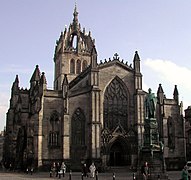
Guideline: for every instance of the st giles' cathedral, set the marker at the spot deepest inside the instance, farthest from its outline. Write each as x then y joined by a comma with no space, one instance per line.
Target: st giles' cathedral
95,112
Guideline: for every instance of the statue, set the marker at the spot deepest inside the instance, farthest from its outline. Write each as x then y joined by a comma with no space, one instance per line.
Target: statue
150,105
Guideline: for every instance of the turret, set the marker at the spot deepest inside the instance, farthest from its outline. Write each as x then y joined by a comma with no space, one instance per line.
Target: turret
93,57
160,94
43,81
176,94
35,79
137,73
136,62
15,86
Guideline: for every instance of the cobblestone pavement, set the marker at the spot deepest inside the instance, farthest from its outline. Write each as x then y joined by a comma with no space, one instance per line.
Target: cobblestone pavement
173,175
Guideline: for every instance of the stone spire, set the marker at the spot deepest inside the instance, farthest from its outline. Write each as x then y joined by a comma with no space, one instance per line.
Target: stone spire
15,86
160,94
136,61
176,94
36,75
75,19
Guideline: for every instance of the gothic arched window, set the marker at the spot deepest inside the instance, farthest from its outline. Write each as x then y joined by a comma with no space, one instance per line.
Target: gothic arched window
72,66
115,105
171,133
78,127
54,129
84,65
74,42
78,66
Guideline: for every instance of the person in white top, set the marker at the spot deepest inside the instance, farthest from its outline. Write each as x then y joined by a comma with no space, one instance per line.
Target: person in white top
92,169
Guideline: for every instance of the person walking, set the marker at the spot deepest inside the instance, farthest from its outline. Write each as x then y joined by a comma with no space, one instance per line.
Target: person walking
63,168
145,171
85,170
92,169
184,173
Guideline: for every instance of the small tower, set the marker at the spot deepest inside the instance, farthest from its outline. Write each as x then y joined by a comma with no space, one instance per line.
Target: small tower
176,94
138,76
35,79
73,52
15,86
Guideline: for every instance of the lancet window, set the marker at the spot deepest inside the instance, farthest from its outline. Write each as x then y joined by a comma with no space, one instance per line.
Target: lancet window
84,65
78,66
78,127
72,66
54,130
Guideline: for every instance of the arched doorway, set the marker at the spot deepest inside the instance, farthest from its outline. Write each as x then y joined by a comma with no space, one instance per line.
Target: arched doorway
116,154
119,154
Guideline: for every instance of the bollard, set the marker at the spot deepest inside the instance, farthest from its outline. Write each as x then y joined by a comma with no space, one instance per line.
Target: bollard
134,176
70,175
82,176
96,175
113,176
50,173
27,170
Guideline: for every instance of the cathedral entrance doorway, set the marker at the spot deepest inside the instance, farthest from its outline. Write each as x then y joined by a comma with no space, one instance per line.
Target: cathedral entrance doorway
118,154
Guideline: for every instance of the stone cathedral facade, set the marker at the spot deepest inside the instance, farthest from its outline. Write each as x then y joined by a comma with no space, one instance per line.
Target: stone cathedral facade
95,112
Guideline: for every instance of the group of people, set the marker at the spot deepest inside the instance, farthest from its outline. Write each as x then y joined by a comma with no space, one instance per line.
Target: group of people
92,170
57,169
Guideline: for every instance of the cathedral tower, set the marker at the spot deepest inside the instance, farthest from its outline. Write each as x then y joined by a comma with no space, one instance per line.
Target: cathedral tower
72,52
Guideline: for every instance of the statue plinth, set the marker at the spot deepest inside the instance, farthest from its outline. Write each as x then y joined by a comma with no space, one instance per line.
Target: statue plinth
152,152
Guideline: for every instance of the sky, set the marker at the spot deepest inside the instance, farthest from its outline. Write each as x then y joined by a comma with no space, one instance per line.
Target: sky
159,30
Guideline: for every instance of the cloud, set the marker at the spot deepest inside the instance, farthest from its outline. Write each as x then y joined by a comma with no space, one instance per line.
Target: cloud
3,109
168,73
171,72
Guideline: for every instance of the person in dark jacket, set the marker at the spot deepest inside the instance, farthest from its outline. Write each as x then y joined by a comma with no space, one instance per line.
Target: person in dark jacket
145,171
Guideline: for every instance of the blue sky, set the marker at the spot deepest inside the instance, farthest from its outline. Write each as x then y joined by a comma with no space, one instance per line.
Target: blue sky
159,30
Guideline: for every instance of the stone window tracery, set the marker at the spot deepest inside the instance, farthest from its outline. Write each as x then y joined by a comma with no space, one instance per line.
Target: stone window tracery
115,105
78,127
54,130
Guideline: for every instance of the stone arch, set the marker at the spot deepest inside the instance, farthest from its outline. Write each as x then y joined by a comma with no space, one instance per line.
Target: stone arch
78,145
72,66
116,105
54,133
78,127
119,152
84,65
78,66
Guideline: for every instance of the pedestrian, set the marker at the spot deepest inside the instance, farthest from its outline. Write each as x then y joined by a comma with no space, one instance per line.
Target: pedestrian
57,168
85,170
52,169
145,171
184,173
63,168
92,169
